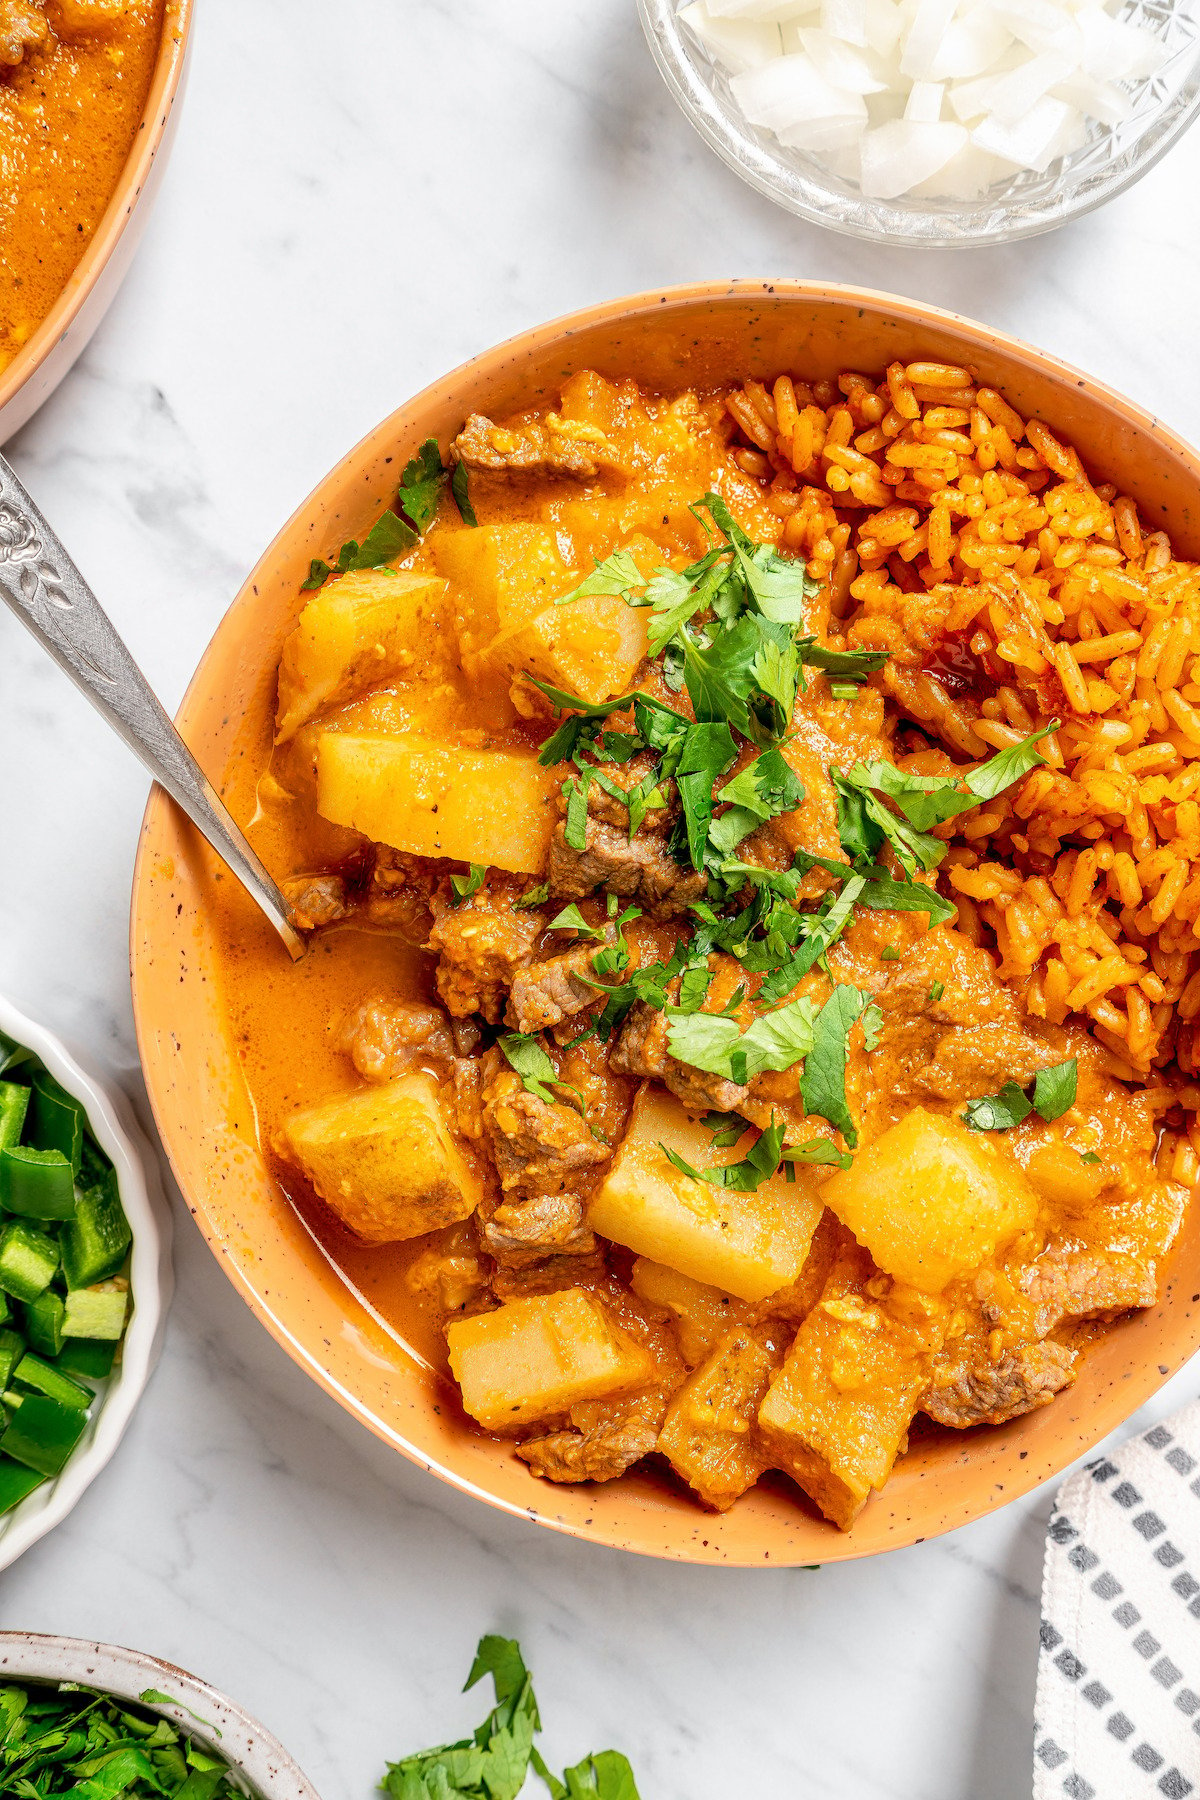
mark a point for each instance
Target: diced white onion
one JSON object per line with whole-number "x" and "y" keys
{"x": 939, "y": 98}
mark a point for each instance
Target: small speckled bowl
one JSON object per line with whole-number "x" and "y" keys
{"x": 35, "y": 372}
{"x": 706, "y": 335}
{"x": 257, "y": 1760}
{"x": 118, "y": 1134}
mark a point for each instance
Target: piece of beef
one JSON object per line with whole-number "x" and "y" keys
{"x": 556, "y": 447}
{"x": 545, "y": 993}
{"x": 642, "y": 1050}
{"x": 969, "y": 1389}
{"x": 400, "y": 892}
{"x": 640, "y": 869}
{"x": 603, "y": 1451}
{"x": 467, "y": 1077}
{"x": 547, "y": 1274}
{"x": 316, "y": 900}
{"x": 23, "y": 27}
{"x": 539, "y": 1147}
{"x": 480, "y": 946}
{"x": 385, "y": 1038}
{"x": 1088, "y": 1283}
{"x": 544, "y": 1225}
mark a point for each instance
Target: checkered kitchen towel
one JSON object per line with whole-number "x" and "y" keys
{"x": 1118, "y": 1691}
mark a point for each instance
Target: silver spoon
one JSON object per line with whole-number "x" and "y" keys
{"x": 43, "y": 587}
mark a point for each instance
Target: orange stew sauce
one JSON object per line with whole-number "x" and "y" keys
{"x": 69, "y": 112}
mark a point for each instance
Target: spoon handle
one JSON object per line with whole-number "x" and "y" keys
{"x": 42, "y": 585}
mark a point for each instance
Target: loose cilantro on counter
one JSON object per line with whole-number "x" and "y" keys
{"x": 494, "y": 1762}
{"x": 72, "y": 1741}
{"x": 1054, "y": 1091}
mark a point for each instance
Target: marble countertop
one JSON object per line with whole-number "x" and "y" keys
{"x": 353, "y": 206}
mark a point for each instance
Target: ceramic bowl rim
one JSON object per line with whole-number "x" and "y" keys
{"x": 510, "y": 352}
{"x": 152, "y": 128}
{"x": 267, "y": 1766}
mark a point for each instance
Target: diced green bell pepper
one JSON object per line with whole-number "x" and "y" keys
{"x": 14, "y": 1104}
{"x": 28, "y": 1259}
{"x": 95, "y": 1312}
{"x": 36, "y": 1184}
{"x": 95, "y": 1242}
{"x": 59, "y": 1121}
{"x": 42, "y": 1433}
{"x": 90, "y": 1357}
{"x": 16, "y": 1483}
{"x": 12, "y": 1349}
{"x": 43, "y": 1322}
{"x": 33, "y": 1372}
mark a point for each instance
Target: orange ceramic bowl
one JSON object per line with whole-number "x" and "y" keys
{"x": 705, "y": 334}
{"x": 35, "y": 372}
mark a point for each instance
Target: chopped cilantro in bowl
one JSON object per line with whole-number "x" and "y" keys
{"x": 84, "y": 1278}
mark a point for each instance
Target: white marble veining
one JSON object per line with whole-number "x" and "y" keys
{"x": 360, "y": 196}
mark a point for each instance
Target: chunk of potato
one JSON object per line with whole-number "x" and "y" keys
{"x": 749, "y": 1245}
{"x": 839, "y": 1410}
{"x": 355, "y": 634}
{"x": 532, "y": 1358}
{"x": 502, "y": 576}
{"x": 384, "y": 1161}
{"x": 709, "y": 1435}
{"x": 701, "y": 1315}
{"x": 484, "y": 806}
{"x": 591, "y": 646}
{"x": 931, "y": 1199}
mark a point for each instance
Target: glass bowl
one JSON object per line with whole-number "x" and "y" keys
{"x": 1111, "y": 159}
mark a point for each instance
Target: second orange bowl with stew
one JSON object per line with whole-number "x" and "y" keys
{"x": 704, "y": 335}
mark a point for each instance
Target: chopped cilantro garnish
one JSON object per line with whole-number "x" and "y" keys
{"x": 823, "y": 1082}
{"x": 1054, "y": 1091}
{"x": 843, "y": 690}
{"x": 1088, "y": 1156}
{"x": 391, "y": 535}
{"x": 615, "y": 575}
{"x": 763, "y": 790}
{"x": 936, "y": 991}
{"x": 571, "y": 919}
{"x": 536, "y": 896}
{"x": 850, "y": 666}
{"x": 866, "y": 822}
{"x": 576, "y": 790}
{"x": 714, "y": 1042}
{"x": 528, "y": 1057}
{"x": 889, "y": 953}
{"x": 460, "y": 489}
{"x": 761, "y": 1161}
{"x": 999, "y": 1112}
{"x": 466, "y": 885}
{"x": 421, "y": 486}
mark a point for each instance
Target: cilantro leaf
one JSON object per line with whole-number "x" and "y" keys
{"x": 823, "y": 1083}
{"x": 460, "y": 489}
{"x": 818, "y": 1150}
{"x": 847, "y": 665}
{"x": 745, "y": 1177}
{"x": 778, "y": 586}
{"x": 923, "y": 801}
{"x": 716, "y": 1044}
{"x": 571, "y": 919}
{"x": 765, "y": 788}
{"x": 576, "y": 790}
{"x": 536, "y": 896}
{"x": 466, "y": 885}
{"x": 706, "y": 752}
{"x": 421, "y": 485}
{"x": 822, "y": 928}
{"x": 528, "y": 1057}
{"x": 999, "y": 1112}
{"x": 1054, "y": 1089}
{"x": 615, "y": 575}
